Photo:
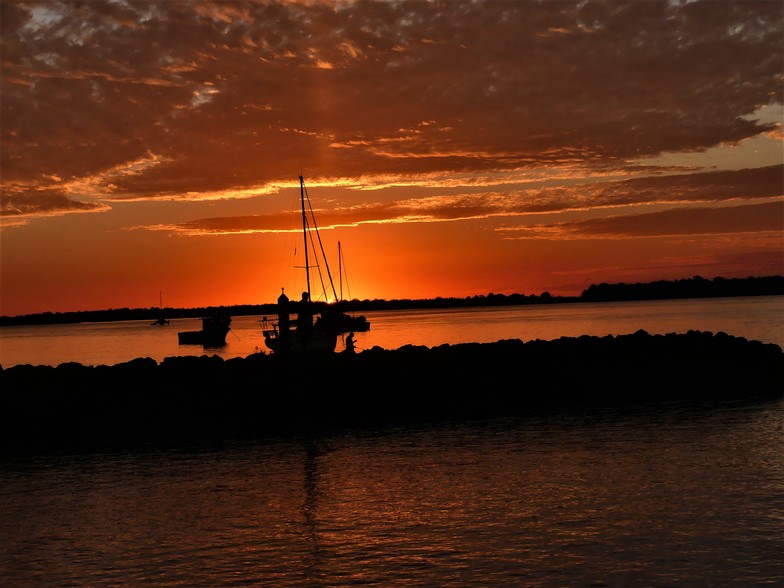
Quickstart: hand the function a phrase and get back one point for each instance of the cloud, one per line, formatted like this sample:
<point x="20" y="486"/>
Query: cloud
<point x="711" y="186"/>
<point x="43" y="202"/>
<point x="232" y="95"/>
<point x="597" y="199"/>
<point x="766" y="217"/>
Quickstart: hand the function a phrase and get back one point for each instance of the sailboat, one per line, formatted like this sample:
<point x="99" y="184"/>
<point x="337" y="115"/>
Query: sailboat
<point x="279" y="337"/>
<point x="161" y="320"/>
<point x="338" y="321"/>
<point x="213" y="332"/>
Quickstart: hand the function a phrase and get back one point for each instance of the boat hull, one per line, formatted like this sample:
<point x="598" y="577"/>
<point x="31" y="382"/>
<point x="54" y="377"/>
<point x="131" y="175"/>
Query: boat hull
<point x="317" y="342"/>
<point x="340" y="322"/>
<point x="212" y="334"/>
<point x="202" y="338"/>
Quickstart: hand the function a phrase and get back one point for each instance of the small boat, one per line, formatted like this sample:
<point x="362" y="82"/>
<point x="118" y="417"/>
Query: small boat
<point x="161" y="320"/>
<point x="213" y="332"/>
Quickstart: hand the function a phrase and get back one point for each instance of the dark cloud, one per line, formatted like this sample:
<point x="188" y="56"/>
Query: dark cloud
<point x="705" y="187"/>
<point x="226" y="95"/>
<point x="43" y="201"/>
<point x="749" y="218"/>
<point x="286" y="222"/>
<point x="764" y="182"/>
<point x="712" y="186"/>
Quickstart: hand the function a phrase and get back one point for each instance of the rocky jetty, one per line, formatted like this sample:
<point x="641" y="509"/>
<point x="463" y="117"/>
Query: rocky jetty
<point x="196" y="399"/>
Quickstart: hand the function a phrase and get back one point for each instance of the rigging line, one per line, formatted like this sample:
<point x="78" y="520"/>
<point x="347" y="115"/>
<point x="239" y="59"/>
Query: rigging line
<point x="321" y="245"/>
<point x="344" y="274"/>
<point x="317" y="265"/>
<point x="287" y="262"/>
<point x="314" y="262"/>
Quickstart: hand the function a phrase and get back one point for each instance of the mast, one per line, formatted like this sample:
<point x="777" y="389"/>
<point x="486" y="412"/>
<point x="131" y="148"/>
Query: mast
<point x="308" y="208"/>
<point x="305" y="232"/>
<point x="340" y="271"/>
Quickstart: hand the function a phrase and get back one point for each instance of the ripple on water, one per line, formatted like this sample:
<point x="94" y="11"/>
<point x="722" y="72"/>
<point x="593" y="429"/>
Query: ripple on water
<point x="688" y="496"/>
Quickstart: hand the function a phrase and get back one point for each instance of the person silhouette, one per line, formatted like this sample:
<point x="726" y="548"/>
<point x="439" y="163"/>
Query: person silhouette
<point x="305" y="317"/>
<point x="283" y="319"/>
<point x="350" y="343"/>
<point x="283" y="311"/>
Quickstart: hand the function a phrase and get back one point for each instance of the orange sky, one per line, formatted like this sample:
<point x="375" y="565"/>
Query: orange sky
<point x="452" y="148"/>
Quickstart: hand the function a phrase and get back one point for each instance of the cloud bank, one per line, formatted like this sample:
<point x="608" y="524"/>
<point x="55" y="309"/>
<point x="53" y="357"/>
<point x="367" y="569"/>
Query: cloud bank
<point x="106" y="101"/>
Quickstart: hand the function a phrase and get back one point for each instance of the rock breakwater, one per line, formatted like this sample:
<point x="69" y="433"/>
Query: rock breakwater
<point x="193" y="399"/>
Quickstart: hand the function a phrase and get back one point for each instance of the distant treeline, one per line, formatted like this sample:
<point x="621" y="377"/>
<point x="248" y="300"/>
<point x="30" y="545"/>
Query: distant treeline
<point x="696" y="287"/>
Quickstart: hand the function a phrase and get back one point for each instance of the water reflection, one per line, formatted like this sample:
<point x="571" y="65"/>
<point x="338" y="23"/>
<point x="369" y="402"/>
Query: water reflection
<point x="684" y="495"/>
<point x="313" y="565"/>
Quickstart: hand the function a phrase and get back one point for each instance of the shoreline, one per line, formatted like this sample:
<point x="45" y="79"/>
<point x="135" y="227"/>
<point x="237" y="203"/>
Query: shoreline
<point x="186" y="399"/>
<point x="684" y="289"/>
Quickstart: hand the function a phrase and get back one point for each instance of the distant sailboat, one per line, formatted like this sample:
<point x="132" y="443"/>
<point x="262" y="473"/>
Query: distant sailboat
<point x="161" y="320"/>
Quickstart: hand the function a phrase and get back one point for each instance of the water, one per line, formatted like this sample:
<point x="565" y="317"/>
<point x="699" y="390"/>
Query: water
<point x="686" y="495"/>
<point x="678" y="496"/>
<point x="760" y="318"/>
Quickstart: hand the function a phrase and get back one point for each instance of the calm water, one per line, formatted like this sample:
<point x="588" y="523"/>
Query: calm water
<point x="679" y="495"/>
<point x="759" y="318"/>
<point x="676" y="496"/>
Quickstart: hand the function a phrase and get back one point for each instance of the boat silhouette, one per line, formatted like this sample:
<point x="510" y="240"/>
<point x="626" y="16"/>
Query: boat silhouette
<point x="336" y="320"/>
<point x="321" y="336"/>
<point x="213" y="332"/>
<point x="161" y="320"/>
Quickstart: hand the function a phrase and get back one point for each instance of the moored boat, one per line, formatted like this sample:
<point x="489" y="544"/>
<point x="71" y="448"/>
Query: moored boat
<point x="336" y="320"/>
<point x="161" y="320"/>
<point x="340" y="322"/>
<point x="213" y="332"/>
<point x="280" y="338"/>
<point x="308" y="336"/>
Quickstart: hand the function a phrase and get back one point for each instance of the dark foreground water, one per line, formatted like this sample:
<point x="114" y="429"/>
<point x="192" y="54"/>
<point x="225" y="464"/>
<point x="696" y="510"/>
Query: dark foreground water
<point x="676" y="495"/>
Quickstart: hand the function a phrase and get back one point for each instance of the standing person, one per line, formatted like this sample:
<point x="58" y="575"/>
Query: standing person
<point x="305" y="318"/>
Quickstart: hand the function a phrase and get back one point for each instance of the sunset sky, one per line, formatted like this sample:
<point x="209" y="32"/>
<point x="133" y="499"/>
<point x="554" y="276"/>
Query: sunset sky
<point x="453" y="148"/>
